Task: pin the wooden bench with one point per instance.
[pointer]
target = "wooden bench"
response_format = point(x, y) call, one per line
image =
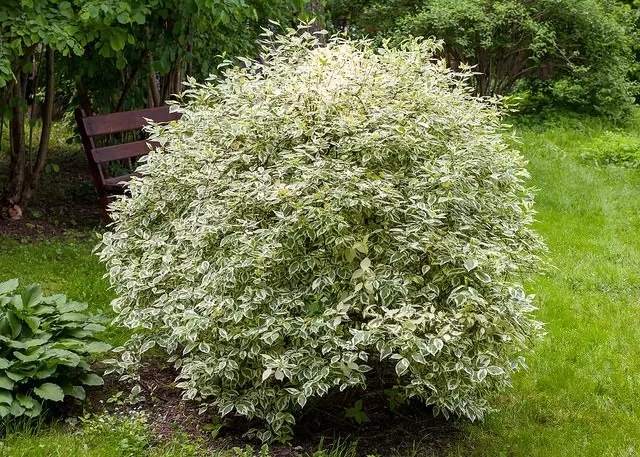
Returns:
point(95, 129)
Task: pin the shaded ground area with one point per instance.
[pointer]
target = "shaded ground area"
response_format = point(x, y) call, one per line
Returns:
point(66, 198)
point(409, 430)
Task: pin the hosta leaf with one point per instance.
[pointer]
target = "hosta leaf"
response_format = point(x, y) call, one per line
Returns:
point(97, 347)
point(33, 322)
point(16, 376)
point(16, 302)
point(15, 323)
point(57, 299)
point(17, 409)
point(6, 397)
point(5, 328)
point(35, 355)
point(26, 401)
point(45, 372)
point(76, 392)
point(4, 411)
point(92, 379)
point(470, 264)
point(4, 364)
point(495, 370)
point(94, 328)
point(72, 307)
point(35, 410)
point(8, 286)
point(30, 343)
point(32, 295)
point(73, 317)
point(6, 383)
point(49, 391)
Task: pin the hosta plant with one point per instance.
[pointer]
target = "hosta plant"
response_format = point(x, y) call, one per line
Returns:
point(43, 345)
point(329, 216)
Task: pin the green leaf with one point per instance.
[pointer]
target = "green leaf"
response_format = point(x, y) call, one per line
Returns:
point(32, 295)
point(76, 392)
point(8, 286)
point(71, 307)
point(49, 391)
point(26, 401)
point(6, 397)
point(35, 410)
point(6, 383)
point(45, 372)
point(470, 264)
point(17, 409)
point(4, 411)
point(97, 347)
point(92, 379)
point(4, 364)
point(73, 317)
point(17, 376)
point(402, 366)
point(14, 323)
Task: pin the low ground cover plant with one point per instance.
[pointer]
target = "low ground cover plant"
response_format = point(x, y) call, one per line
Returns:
point(44, 342)
point(614, 148)
point(324, 218)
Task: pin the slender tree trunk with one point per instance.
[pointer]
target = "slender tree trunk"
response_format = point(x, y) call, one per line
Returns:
point(47, 119)
point(23, 178)
point(127, 85)
point(17, 146)
point(83, 96)
point(317, 9)
point(153, 82)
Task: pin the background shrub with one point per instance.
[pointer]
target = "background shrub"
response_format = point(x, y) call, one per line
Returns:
point(43, 343)
point(335, 215)
point(578, 52)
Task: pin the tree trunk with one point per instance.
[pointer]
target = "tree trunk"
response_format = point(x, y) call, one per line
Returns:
point(154, 90)
point(17, 147)
point(47, 119)
point(83, 96)
point(23, 179)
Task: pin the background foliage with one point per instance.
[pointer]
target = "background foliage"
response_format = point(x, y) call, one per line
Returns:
point(576, 53)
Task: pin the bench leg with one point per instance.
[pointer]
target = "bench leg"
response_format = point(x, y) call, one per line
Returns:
point(104, 202)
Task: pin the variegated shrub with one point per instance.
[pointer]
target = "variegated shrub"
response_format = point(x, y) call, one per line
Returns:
point(326, 216)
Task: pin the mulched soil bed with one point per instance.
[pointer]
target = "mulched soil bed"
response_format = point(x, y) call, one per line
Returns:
point(390, 432)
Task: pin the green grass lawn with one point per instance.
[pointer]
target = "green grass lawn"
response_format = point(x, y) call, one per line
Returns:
point(581, 396)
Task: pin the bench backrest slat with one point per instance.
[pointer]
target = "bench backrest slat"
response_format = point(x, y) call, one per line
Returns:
point(91, 127)
point(107, 124)
point(122, 151)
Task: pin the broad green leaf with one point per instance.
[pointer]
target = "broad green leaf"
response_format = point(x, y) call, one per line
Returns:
point(92, 379)
point(32, 295)
point(97, 347)
point(6, 397)
point(76, 392)
point(49, 391)
point(8, 286)
point(6, 383)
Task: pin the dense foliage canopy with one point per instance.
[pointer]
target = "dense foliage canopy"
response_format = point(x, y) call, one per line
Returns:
point(106, 56)
point(577, 52)
point(332, 218)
